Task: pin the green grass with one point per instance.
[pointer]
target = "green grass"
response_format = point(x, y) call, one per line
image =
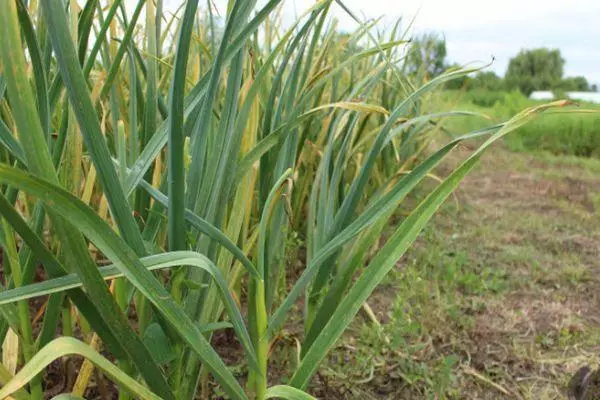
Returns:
point(561, 134)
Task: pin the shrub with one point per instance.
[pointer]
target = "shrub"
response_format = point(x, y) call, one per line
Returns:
point(560, 134)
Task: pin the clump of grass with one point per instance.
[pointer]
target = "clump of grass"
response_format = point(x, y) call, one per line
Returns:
point(184, 154)
point(560, 134)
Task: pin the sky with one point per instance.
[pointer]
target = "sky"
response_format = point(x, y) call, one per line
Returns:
point(476, 30)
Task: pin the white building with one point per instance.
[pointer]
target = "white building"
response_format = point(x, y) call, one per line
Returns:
point(542, 95)
point(592, 97)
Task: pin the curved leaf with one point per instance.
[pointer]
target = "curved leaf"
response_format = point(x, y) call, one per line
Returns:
point(205, 227)
point(35, 146)
point(89, 124)
point(391, 252)
point(287, 392)
point(368, 217)
point(107, 241)
point(66, 346)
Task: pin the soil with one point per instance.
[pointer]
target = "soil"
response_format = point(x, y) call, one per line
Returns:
point(536, 218)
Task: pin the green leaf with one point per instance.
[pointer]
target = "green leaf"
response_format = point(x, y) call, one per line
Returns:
point(39, 161)
point(106, 240)
point(121, 51)
point(69, 346)
point(367, 218)
point(348, 207)
point(287, 392)
point(54, 268)
point(205, 227)
point(10, 143)
point(90, 126)
point(39, 72)
point(162, 348)
point(387, 257)
point(159, 139)
point(176, 161)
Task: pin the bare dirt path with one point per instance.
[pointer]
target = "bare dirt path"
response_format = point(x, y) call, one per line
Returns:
point(537, 219)
point(499, 297)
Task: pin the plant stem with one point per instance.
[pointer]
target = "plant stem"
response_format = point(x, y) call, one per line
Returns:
point(28, 345)
point(262, 342)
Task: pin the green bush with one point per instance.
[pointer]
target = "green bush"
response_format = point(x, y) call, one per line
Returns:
point(484, 98)
point(497, 99)
point(571, 134)
point(577, 135)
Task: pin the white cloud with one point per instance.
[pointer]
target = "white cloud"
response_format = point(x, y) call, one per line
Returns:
point(477, 29)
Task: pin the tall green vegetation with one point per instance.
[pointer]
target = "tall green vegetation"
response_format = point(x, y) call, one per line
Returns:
point(528, 71)
point(561, 134)
point(173, 159)
point(541, 69)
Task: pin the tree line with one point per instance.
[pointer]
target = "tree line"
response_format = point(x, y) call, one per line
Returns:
point(528, 71)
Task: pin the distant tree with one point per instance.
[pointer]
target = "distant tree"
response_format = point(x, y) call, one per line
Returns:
point(537, 69)
point(594, 88)
point(574, 84)
point(426, 57)
point(581, 83)
point(487, 80)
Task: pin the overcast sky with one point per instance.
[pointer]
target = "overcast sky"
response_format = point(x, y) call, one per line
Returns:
point(477, 29)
